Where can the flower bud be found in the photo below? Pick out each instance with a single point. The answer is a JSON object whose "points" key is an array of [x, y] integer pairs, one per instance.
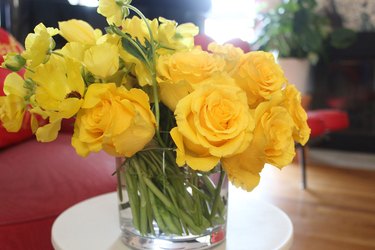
{"points": [[13, 62]]}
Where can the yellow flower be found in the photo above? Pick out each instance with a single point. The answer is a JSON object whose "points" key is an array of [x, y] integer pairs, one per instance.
{"points": [[114, 119], [277, 132], [102, 60], [58, 93], [74, 50], [292, 102], [189, 66], [229, 53], [12, 106], [180, 73], [272, 143], [259, 76], [79, 31], [13, 62], [243, 169], [137, 28], [175, 37], [212, 122], [39, 44], [112, 11]]}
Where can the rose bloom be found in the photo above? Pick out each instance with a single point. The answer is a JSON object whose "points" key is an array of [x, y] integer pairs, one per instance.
{"points": [[180, 73], [214, 121], [229, 53], [292, 102], [114, 119], [272, 143], [259, 76]]}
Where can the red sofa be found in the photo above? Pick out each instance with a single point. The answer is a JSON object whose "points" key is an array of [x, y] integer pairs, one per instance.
{"points": [[38, 181]]}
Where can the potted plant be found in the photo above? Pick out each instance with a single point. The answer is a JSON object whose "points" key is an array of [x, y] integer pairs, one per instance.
{"points": [[300, 35]]}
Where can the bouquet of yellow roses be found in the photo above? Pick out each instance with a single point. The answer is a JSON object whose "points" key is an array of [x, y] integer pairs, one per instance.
{"points": [[142, 91]]}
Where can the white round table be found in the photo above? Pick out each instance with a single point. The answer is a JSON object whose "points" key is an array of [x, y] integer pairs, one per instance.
{"points": [[252, 224]]}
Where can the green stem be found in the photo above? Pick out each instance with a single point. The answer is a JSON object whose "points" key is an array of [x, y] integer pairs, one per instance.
{"points": [[133, 197], [164, 199], [217, 194], [143, 193]]}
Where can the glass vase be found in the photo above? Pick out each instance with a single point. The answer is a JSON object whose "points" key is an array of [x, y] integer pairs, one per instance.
{"points": [[163, 206]]}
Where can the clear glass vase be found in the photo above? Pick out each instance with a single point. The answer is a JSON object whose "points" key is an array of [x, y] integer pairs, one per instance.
{"points": [[163, 206]]}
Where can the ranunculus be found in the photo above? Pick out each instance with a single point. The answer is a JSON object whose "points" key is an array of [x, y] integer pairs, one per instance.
{"points": [[113, 11], [102, 60], [212, 122], [38, 45], [58, 94], [259, 76], [13, 105], [137, 28], [114, 119], [12, 110], [175, 37], [74, 50], [79, 31]]}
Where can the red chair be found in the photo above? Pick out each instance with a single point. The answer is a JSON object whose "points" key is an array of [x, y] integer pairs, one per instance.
{"points": [[321, 122]]}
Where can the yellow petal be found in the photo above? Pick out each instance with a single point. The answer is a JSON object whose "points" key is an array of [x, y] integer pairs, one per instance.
{"points": [[48, 132], [77, 31], [102, 60], [13, 84]]}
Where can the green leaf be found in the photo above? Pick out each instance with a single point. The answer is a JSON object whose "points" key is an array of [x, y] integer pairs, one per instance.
{"points": [[134, 47]]}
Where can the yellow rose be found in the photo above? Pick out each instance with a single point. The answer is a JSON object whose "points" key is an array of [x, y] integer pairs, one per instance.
{"points": [[274, 132], [180, 73], [79, 31], [292, 102], [272, 143], [259, 76], [243, 169], [114, 119], [212, 122], [189, 66], [102, 60], [229, 53]]}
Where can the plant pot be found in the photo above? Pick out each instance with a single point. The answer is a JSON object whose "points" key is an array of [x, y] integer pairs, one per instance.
{"points": [[163, 206], [297, 71]]}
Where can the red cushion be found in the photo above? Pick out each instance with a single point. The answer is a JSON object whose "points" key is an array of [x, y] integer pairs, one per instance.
{"points": [[334, 120], [316, 125], [39, 181]]}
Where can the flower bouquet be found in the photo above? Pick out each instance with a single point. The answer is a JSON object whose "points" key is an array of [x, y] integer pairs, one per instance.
{"points": [[179, 120]]}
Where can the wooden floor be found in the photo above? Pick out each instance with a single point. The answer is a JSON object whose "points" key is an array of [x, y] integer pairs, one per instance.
{"points": [[336, 212]]}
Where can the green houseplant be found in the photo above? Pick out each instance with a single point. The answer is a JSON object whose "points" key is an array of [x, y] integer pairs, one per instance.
{"points": [[294, 28], [300, 35]]}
